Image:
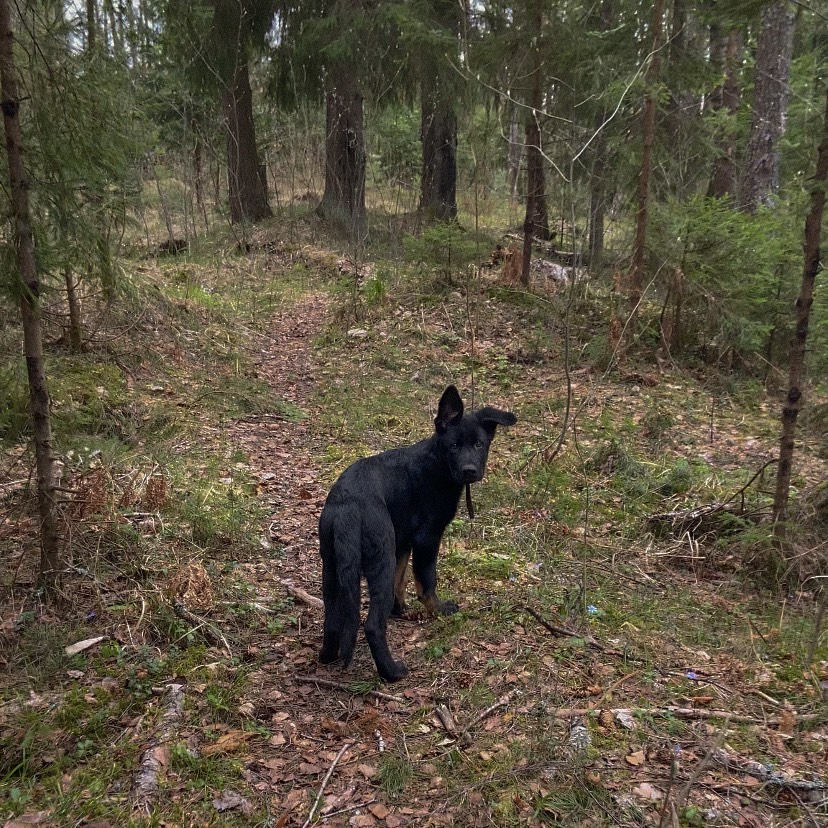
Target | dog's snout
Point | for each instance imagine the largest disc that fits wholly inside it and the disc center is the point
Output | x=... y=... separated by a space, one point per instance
x=471 y=474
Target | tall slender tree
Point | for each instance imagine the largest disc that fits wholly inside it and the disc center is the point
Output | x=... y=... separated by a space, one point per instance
x=29 y=291
x=635 y=277
x=217 y=40
x=795 y=397
x=536 y=222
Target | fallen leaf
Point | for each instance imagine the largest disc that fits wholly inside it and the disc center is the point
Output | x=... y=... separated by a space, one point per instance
x=379 y=810
x=636 y=758
x=368 y=771
x=787 y=720
x=229 y=743
x=230 y=801
x=647 y=791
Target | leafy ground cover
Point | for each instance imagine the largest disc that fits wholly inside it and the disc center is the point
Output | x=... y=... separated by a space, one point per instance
x=605 y=669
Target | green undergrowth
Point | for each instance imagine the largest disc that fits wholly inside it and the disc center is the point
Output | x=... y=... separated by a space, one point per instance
x=142 y=426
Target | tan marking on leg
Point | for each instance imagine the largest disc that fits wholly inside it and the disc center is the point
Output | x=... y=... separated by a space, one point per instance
x=400 y=577
x=430 y=602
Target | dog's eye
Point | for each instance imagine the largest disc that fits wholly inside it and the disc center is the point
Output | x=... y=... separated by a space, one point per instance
x=455 y=445
x=479 y=444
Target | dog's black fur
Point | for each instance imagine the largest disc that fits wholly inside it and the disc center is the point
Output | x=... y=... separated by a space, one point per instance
x=386 y=508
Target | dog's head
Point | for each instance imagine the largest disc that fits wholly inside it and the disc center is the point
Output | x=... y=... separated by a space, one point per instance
x=465 y=438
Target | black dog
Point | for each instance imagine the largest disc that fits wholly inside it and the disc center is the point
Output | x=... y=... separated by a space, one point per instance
x=386 y=508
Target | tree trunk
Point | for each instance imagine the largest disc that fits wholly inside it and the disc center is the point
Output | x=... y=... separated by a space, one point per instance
x=198 y=174
x=91 y=25
x=513 y=156
x=597 y=197
x=344 y=198
x=536 y=222
x=770 y=106
x=50 y=539
x=725 y=55
x=635 y=278
x=75 y=328
x=598 y=178
x=795 y=397
x=248 y=199
x=438 y=194
x=132 y=34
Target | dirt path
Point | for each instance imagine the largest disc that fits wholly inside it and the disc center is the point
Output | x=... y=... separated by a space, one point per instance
x=283 y=451
x=311 y=723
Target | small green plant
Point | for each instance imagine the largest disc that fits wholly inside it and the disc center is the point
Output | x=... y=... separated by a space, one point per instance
x=657 y=423
x=395 y=773
x=375 y=289
x=677 y=479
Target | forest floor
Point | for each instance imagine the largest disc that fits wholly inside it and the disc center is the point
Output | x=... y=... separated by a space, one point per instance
x=607 y=667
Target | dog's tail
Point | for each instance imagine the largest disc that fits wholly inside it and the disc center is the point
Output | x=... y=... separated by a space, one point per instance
x=348 y=548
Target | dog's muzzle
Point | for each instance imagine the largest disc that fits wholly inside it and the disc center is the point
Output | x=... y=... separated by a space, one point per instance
x=470 y=474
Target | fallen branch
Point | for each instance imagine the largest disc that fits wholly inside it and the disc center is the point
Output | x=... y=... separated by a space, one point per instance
x=567 y=633
x=377 y=694
x=691 y=713
x=211 y=633
x=501 y=702
x=702 y=520
x=681 y=797
x=325 y=782
x=767 y=774
x=301 y=594
x=145 y=785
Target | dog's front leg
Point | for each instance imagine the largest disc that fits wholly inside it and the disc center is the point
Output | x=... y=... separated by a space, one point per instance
x=424 y=567
x=400 y=609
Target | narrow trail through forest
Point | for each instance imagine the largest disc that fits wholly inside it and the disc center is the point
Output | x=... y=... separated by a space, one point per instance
x=282 y=450
x=310 y=723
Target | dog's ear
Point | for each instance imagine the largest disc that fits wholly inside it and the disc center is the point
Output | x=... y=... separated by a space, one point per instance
x=490 y=418
x=449 y=410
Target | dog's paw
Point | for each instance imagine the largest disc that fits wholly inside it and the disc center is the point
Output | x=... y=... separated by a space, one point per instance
x=397 y=671
x=400 y=610
x=328 y=656
x=448 y=607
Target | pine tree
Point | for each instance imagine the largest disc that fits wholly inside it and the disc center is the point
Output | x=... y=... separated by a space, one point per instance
x=29 y=289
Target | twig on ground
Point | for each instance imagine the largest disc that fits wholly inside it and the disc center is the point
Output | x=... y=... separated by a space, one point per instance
x=765 y=773
x=301 y=594
x=347 y=810
x=325 y=782
x=145 y=785
x=701 y=767
x=501 y=702
x=212 y=633
x=566 y=632
x=446 y=719
x=377 y=694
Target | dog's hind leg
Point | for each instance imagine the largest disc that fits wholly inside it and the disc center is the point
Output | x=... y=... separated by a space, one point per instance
x=379 y=565
x=333 y=624
x=340 y=541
